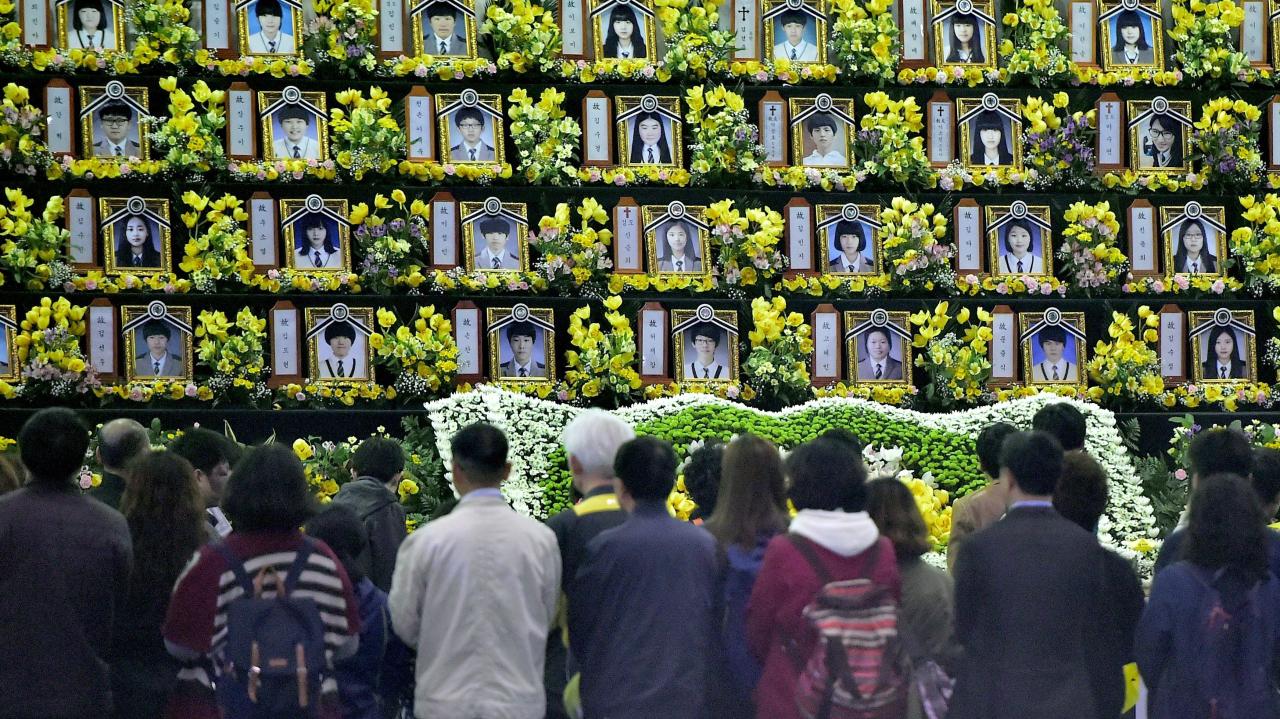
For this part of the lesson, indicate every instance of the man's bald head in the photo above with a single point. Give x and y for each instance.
(120, 441)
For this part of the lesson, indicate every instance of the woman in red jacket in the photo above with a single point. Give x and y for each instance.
(828, 487)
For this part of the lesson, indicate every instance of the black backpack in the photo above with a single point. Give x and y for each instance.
(273, 661)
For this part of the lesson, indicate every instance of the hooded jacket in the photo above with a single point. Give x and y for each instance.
(383, 517)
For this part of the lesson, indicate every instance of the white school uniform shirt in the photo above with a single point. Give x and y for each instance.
(645, 154)
(484, 260)
(350, 368)
(104, 39)
(306, 259)
(834, 157)
(715, 371)
(1066, 371)
(1031, 264)
(859, 263)
(804, 52)
(259, 44)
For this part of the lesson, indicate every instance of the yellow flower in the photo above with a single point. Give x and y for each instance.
(302, 449)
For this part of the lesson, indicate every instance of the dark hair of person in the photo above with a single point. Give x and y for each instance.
(647, 468)
(753, 493)
(851, 227)
(894, 510)
(1034, 459)
(268, 7)
(1064, 422)
(123, 249)
(304, 243)
(793, 17)
(379, 457)
(52, 444)
(841, 434)
(494, 225)
(119, 442)
(78, 5)
(464, 113)
(268, 491)
(623, 13)
(691, 247)
(1130, 18)
(1052, 333)
(1220, 450)
(480, 449)
(521, 329)
(866, 336)
(702, 476)
(1265, 477)
(820, 119)
(1212, 341)
(708, 330)
(988, 445)
(294, 111)
(989, 120)
(10, 474)
(975, 43)
(1205, 249)
(637, 144)
(1081, 494)
(205, 449)
(156, 328)
(344, 533)
(340, 328)
(827, 474)
(115, 108)
(165, 511)
(1226, 528)
(438, 9)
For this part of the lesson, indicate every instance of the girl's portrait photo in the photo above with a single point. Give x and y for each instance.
(964, 44)
(1159, 134)
(137, 242)
(989, 140)
(964, 33)
(1195, 239)
(91, 25)
(1131, 37)
(990, 130)
(650, 143)
(648, 131)
(624, 34)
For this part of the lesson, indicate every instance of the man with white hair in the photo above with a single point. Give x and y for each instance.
(590, 442)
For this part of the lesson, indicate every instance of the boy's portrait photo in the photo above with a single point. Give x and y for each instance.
(848, 238)
(521, 344)
(822, 130)
(964, 33)
(649, 131)
(677, 240)
(624, 30)
(796, 30)
(1195, 239)
(990, 132)
(113, 121)
(338, 343)
(268, 27)
(1132, 36)
(158, 342)
(494, 233)
(1159, 134)
(1053, 346)
(1225, 345)
(95, 25)
(444, 28)
(471, 127)
(294, 125)
(705, 342)
(317, 234)
(135, 235)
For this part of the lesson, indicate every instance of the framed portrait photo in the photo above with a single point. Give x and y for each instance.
(135, 235)
(1159, 134)
(705, 343)
(1132, 36)
(113, 122)
(650, 131)
(494, 236)
(964, 33)
(317, 234)
(92, 25)
(1224, 346)
(1195, 239)
(522, 344)
(1053, 347)
(822, 130)
(269, 28)
(338, 344)
(471, 127)
(878, 347)
(624, 30)
(677, 240)
(295, 125)
(848, 238)
(9, 369)
(158, 343)
(1020, 238)
(990, 132)
(796, 31)
(444, 29)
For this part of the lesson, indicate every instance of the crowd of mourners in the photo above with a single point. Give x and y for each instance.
(203, 580)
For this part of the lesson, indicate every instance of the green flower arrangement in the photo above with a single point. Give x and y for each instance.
(217, 248)
(22, 130)
(695, 44)
(725, 145)
(343, 37)
(1090, 255)
(393, 241)
(163, 32)
(1257, 247)
(422, 356)
(236, 352)
(749, 244)
(525, 36)
(778, 366)
(546, 139)
(34, 247)
(1224, 144)
(952, 349)
(865, 41)
(366, 137)
(1126, 371)
(602, 366)
(1202, 32)
(916, 254)
(890, 143)
(1034, 52)
(188, 139)
(575, 257)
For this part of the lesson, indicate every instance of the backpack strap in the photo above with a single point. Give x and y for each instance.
(235, 565)
(299, 563)
(804, 545)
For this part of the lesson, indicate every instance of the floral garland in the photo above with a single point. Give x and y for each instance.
(328, 394)
(1224, 142)
(813, 178)
(366, 138)
(575, 257)
(635, 176)
(436, 173)
(1089, 255)
(12, 52)
(236, 352)
(827, 285)
(865, 39)
(33, 247)
(915, 251)
(602, 365)
(695, 44)
(629, 70)
(546, 138)
(394, 246)
(1202, 32)
(22, 130)
(957, 364)
(725, 145)
(48, 343)
(1058, 152)
(283, 170)
(748, 242)
(423, 357)
(1133, 181)
(278, 67)
(1034, 52)
(342, 36)
(1011, 285)
(889, 144)
(217, 242)
(186, 139)
(486, 283)
(1180, 284)
(778, 366)
(1257, 247)
(1126, 370)
(525, 36)
(446, 69)
(782, 71)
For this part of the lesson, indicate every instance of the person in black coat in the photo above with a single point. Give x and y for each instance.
(377, 466)
(1029, 592)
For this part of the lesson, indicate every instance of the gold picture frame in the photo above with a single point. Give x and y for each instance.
(810, 114)
(249, 42)
(776, 12)
(1036, 220)
(137, 354)
(659, 217)
(273, 116)
(1205, 338)
(1039, 372)
(1151, 33)
(685, 324)
(515, 215)
(602, 12)
(977, 115)
(323, 370)
(541, 321)
(630, 109)
(488, 107)
(831, 218)
(1144, 149)
(1211, 220)
(66, 33)
(9, 369)
(330, 214)
(115, 94)
(980, 15)
(121, 216)
(463, 8)
(895, 327)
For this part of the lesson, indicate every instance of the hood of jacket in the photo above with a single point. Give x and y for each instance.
(845, 533)
(365, 495)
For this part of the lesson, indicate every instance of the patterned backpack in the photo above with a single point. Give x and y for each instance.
(858, 668)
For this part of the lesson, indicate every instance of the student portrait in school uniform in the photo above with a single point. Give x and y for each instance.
(91, 25)
(1020, 249)
(497, 245)
(158, 358)
(1224, 353)
(470, 136)
(1052, 349)
(706, 353)
(850, 247)
(679, 246)
(522, 351)
(116, 131)
(270, 27)
(796, 33)
(298, 134)
(341, 355)
(137, 243)
(1193, 248)
(876, 347)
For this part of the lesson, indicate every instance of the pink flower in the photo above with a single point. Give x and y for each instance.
(91, 284)
(449, 169)
(1181, 281)
(971, 280)
(732, 392)
(1046, 289)
(594, 176)
(1180, 474)
(761, 76)
(1218, 286)
(136, 394)
(191, 390)
(420, 71)
(1158, 286)
(1126, 288)
(86, 480)
(1002, 288)
(563, 395)
(619, 179)
(300, 396)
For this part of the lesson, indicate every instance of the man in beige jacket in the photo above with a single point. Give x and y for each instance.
(975, 512)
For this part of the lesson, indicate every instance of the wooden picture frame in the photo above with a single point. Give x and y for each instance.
(977, 14)
(422, 22)
(1147, 146)
(327, 327)
(1131, 14)
(453, 110)
(280, 111)
(287, 41)
(100, 42)
(779, 43)
(645, 47)
(104, 106)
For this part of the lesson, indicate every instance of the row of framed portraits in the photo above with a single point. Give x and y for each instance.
(517, 343)
(468, 127)
(134, 235)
